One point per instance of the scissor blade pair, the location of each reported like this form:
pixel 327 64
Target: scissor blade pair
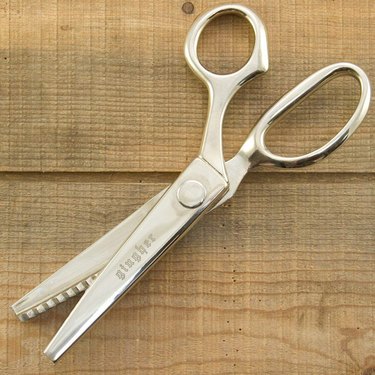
pixel 79 273
pixel 170 218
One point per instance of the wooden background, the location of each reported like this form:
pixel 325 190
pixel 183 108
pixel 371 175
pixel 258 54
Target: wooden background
pixel 98 111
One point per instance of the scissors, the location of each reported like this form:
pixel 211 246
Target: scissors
pixel 112 265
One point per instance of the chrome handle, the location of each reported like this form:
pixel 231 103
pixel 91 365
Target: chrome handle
pixel 221 88
pixel 255 148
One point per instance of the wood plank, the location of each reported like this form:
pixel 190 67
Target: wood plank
pixel 279 281
pixel 103 86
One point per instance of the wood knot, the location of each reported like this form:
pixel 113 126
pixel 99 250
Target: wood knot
pixel 65 27
pixel 188 7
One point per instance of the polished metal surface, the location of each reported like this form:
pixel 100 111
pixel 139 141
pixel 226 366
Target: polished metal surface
pixel 113 264
pixel 76 276
pixel 254 151
pixel 163 226
pixel 255 148
pixel 221 88
pixel 191 193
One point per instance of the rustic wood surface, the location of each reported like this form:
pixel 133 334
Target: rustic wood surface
pixel 98 111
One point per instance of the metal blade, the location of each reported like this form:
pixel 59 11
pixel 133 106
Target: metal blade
pixel 79 273
pixel 164 225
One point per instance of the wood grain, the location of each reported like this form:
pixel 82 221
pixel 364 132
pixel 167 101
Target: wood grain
pixel 103 86
pixel 98 112
pixel 279 281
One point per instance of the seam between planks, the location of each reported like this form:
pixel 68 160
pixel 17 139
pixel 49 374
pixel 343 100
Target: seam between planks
pixel 168 177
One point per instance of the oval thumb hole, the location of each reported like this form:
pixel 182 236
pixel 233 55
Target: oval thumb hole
pixel 316 120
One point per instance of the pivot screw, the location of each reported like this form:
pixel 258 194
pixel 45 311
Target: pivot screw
pixel 191 194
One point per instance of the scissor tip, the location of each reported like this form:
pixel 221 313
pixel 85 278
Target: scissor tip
pixel 54 352
pixel 52 355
